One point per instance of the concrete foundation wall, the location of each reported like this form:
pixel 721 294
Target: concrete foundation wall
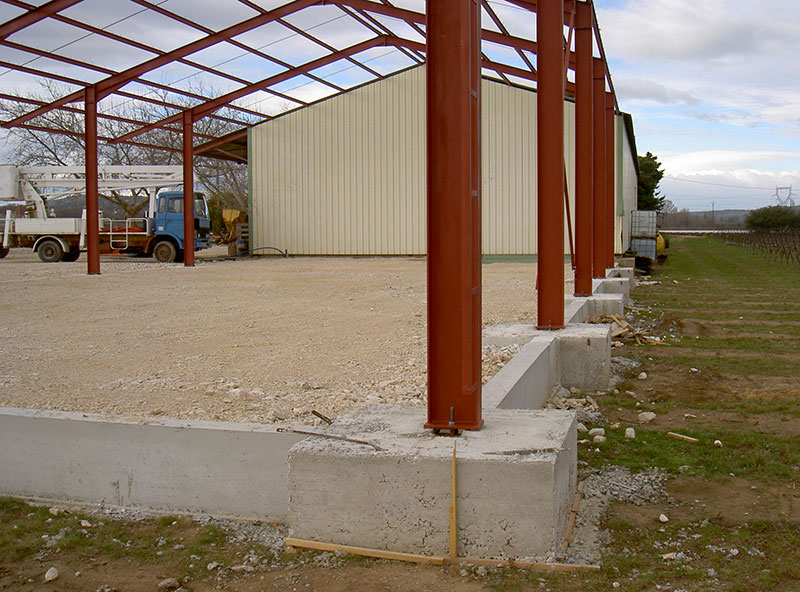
pixel 226 469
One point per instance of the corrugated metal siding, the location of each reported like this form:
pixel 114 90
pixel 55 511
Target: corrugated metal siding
pixel 347 176
pixel 626 186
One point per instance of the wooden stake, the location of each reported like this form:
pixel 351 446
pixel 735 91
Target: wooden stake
pixel 573 515
pixel 453 516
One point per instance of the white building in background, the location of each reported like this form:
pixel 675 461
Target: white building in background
pixel 346 175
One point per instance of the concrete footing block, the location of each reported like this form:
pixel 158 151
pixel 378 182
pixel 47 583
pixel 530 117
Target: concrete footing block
pixel 621 272
pixel 626 262
pixel 584 356
pixel 612 286
pixel 578 355
pixel 516 479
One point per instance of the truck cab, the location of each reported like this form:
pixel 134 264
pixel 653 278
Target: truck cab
pixel 167 242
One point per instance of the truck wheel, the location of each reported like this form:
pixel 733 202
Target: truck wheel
pixel 3 253
pixel 165 252
pixel 72 255
pixel 50 251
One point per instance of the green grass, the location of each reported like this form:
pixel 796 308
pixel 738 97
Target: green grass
pixel 750 455
pixel 764 559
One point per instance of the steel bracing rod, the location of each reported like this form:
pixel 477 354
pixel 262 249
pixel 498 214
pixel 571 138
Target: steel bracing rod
pixel 200 111
pixel 379 28
pixel 506 69
pixel 52 130
pixel 326 46
pixel 417 18
pixel 239 44
pixel 125 41
pixel 112 83
pixel 34 15
pixel 107 116
pixel 76 82
pixel 500 25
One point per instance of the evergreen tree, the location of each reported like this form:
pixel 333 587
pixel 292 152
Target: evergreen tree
pixel 650 174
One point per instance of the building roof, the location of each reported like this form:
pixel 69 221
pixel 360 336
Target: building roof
pixel 240 62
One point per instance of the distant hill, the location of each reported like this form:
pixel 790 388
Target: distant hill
pixel 716 219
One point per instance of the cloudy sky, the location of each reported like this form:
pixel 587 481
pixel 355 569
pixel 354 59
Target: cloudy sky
pixel 712 86
pixel 714 91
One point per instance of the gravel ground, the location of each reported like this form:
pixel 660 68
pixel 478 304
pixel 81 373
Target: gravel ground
pixel 263 339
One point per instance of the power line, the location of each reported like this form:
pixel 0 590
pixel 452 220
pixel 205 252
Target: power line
pixel 719 184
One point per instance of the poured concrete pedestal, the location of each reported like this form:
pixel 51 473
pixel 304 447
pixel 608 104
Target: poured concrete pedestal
pixel 516 479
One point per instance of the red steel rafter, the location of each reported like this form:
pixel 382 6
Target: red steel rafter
pixel 34 15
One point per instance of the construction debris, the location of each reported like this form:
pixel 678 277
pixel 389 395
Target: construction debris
pixel 624 331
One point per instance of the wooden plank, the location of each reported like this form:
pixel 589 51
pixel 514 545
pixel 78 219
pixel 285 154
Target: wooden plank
pixel 435 560
pixel 531 565
pixel 377 553
pixel 682 437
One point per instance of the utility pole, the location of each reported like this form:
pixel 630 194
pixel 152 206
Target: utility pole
pixel 713 222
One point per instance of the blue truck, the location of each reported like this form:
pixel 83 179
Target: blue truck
pixel 159 234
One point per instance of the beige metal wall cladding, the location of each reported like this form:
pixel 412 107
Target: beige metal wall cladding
pixel 627 188
pixel 347 176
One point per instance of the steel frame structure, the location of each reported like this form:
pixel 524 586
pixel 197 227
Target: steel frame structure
pixel 461 40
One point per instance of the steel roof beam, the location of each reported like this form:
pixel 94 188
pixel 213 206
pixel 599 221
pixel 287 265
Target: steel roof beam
pixel 34 16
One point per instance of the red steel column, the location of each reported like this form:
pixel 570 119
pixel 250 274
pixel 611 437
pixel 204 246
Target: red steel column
pixel 92 209
pixel 550 163
pixel 584 150
pixel 188 189
pixel 599 170
pixel 611 196
pixel 454 214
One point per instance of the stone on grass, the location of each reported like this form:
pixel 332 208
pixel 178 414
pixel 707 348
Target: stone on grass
pixel 582 428
pixel 630 433
pixel 51 575
pixel 646 416
pixel 597 432
pixel 643 376
pixel 718 443
pixel 663 518
pixel 599 439
pixel 169 584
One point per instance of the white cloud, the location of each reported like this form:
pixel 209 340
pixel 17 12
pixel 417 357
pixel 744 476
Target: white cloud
pixel 720 160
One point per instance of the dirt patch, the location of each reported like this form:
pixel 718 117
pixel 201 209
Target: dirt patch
pixel 262 340
pixel 735 500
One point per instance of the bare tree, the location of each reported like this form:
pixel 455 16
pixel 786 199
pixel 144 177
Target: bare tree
pixel 225 182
